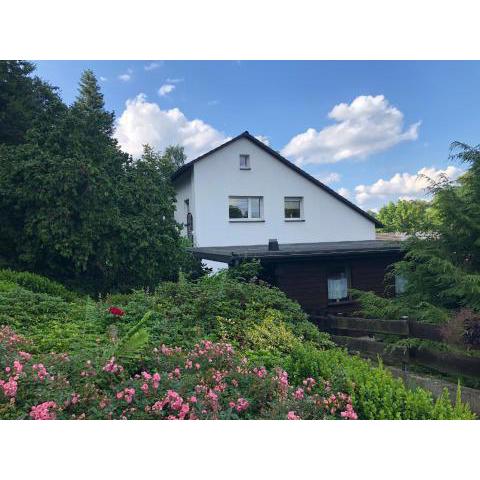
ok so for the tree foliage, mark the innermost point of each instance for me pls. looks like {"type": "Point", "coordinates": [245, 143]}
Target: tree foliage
{"type": "Point", "coordinates": [442, 265]}
{"type": "Point", "coordinates": [407, 216]}
{"type": "Point", "coordinates": [73, 206]}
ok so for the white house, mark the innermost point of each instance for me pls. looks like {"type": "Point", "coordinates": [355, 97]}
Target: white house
{"type": "Point", "coordinates": [243, 193]}
{"type": "Point", "coordinates": [235, 198]}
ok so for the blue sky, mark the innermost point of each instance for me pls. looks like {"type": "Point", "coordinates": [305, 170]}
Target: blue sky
{"type": "Point", "coordinates": [388, 120]}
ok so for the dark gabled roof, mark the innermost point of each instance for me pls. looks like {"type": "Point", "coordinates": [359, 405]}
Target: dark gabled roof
{"type": "Point", "coordinates": [188, 166]}
{"type": "Point", "coordinates": [297, 250]}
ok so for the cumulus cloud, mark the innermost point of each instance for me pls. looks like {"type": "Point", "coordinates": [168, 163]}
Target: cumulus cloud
{"type": "Point", "coordinates": [366, 126]}
{"type": "Point", "coordinates": [165, 89]}
{"type": "Point", "coordinates": [344, 192]}
{"type": "Point", "coordinates": [332, 177]}
{"type": "Point", "coordinates": [263, 139]}
{"type": "Point", "coordinates": [152, 66]}
{"type": "Point", "coordinates": [145, 122]}
{"type": "Point", "coordinates": [103, 79]}
{"type": "Point", "coordinates": [127, 76]}
{"type": "Point", "coordinates": [403, 186]}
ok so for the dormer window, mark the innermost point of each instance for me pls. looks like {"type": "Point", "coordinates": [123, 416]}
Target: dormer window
{"type": "Point", "coordinates": [244, 162]}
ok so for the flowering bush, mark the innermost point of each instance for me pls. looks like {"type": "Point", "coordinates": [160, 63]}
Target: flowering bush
{"type": "Point", "coordinates": [209, 381]}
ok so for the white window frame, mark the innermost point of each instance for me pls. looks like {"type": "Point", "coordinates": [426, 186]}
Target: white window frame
{"type": "Point", "coordinates": [247, 165]}
{"type": "Point", "coordinates": [348, 274]}
{"type": "Point", "coordinates": [250, 218]}
{"type": "Point", "coordinates": [292, 198]}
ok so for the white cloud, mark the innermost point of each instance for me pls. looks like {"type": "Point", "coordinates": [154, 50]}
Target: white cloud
{"type": "Point", "coordinates": [165, 89]}
{"type": "Point", "coordinates": [145, 122]}
{"type": "Point", "coordinates": [126, 77]}
{"type": "Point", "coordinates": [263, 139]}
{"type": "Point", "coordinates": [213, 102]}
{"type": "Point", "coordinates": [103, 79]}
{"type": "Point", "coordinates": [332, 177]}
{"type": "Point", "coordinates": [366, 126]}
{"type": "Point", "coordinates": [403, 186]}
{"type": "Point", "coordinates": [152, 66]}
{"type": "Point", "coordinates": [344, 192]}
{"type": "Point", "coordinates": [174, 80]}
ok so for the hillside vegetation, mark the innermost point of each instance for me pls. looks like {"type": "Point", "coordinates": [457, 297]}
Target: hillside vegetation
{"type": "Point", "coordinates": [223, 346]}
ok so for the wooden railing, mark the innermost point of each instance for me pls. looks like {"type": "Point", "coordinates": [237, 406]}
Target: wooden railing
{"type": "Point", "coordinates": [356, 334]}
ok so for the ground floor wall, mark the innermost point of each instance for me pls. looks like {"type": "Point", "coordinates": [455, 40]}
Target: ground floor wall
{"type": "Point", "coordinates": [305, 280]}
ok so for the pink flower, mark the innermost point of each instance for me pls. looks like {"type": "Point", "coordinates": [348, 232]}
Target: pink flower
{"type": "Point", "coordinates": [75, 398]}
{"type": "Point", "coordinates": [156, 380]}
{"type": "Point", "coordinates": [41, 371]}
{"type": "Point", "coordinates": [299, 394]}
{"type": "Point", "coordinates": [43, 412]}
{"type": "Point", "coordinates": [144, 388]}
{"type": "Point", "coordinates": [309, 383]}
{"type": "Point", "coordinates": [18, 367]}
{"type": "Point", "coordinates": [292, 416]}
{"type": "Point", "coordinates": [9, 387]}
{"type": "Point", "coordinates": [349, 413]}
{"type": "Point", "coordinates": [193, 399]}
{"type": "Point", "coordinates": [112, 367]}
{"type": "Point", "coordinates": [26, 356]}
{"type": "Point", "coordinates": [185, 408]}
{"type": "Point", "coordinates": [282, 378]}
{"type": "Point", "coordinates": [260, 372]}
{"type": "Point", "coordinates": [242, 405]}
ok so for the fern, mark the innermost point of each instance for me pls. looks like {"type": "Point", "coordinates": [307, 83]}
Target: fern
{"type": "Point", "coordinates": [134, 341]}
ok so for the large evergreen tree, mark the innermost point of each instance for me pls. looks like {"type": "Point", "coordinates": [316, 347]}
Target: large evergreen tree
{"type": "Point", "coordinates": [73, 206]}
{"type": "Point", "coordinates": [23, 97]}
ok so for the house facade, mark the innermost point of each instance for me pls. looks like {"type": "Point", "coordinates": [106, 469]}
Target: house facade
{"type": "Point", "coordinates": [240, 195]}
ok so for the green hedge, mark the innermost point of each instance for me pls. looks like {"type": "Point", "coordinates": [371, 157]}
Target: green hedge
{"type": "Point", "coordinates": [376, 394]}
{"type": "Point", "coordinates": [37, 283]}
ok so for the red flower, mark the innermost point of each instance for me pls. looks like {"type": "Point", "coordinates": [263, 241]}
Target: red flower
{"type": "Point", "coordinates": [116, 311]}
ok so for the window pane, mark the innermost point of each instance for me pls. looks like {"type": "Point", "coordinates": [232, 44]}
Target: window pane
{"type": "Point", "coordinates": [337, 284]}
{"type": "Point", "coordinates": [244, 161]}
{"type": "Point", "coordinates": [400, 284]}
{"type": "Point", "coordinates": [255, 207]}
{"type": "Point", "coordinates": [238, 208]}
{"type": "Point", "coordinates": [292, 208]}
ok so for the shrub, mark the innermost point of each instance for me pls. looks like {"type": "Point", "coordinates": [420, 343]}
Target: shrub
{"type": "Point", "coordinates": [217, 307]}
{"type": "Point", "coordinates": [375, 393]}
{"type": "Point", "coordinates": [374, 306]}
{"type": "Point", "coordinates": [37, 284]}
{"type": "Point", "coordinates": [210, 381]}
{"type": "Point", "coordinates": [53, 323]}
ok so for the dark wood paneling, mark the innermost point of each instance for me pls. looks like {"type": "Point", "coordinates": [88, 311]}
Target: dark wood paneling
{"type": "Point", "coordinates": [306, 280]}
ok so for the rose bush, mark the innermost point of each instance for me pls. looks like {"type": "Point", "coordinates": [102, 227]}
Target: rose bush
{"type": "Point", "coordinates": [210, 381]}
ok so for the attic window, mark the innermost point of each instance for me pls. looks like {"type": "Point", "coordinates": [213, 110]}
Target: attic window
{"type": "Point", "coordinates": [244, 162]}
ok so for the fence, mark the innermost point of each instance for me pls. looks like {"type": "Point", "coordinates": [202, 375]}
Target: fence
{"type": "Point", "coordinates": [353, 333]}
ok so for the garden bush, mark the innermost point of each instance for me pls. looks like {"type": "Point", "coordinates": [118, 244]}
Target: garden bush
{"type": "Point", "coordinates": [37, 283]}
{"type": "Point", "coordinates": [266, 331]}
{"type": "Point", "coordinates": [375, 393]}
{"type": "Point", "coordinates": [53, 323]}
{"type": "Point", "coordinates": [210, 381]}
